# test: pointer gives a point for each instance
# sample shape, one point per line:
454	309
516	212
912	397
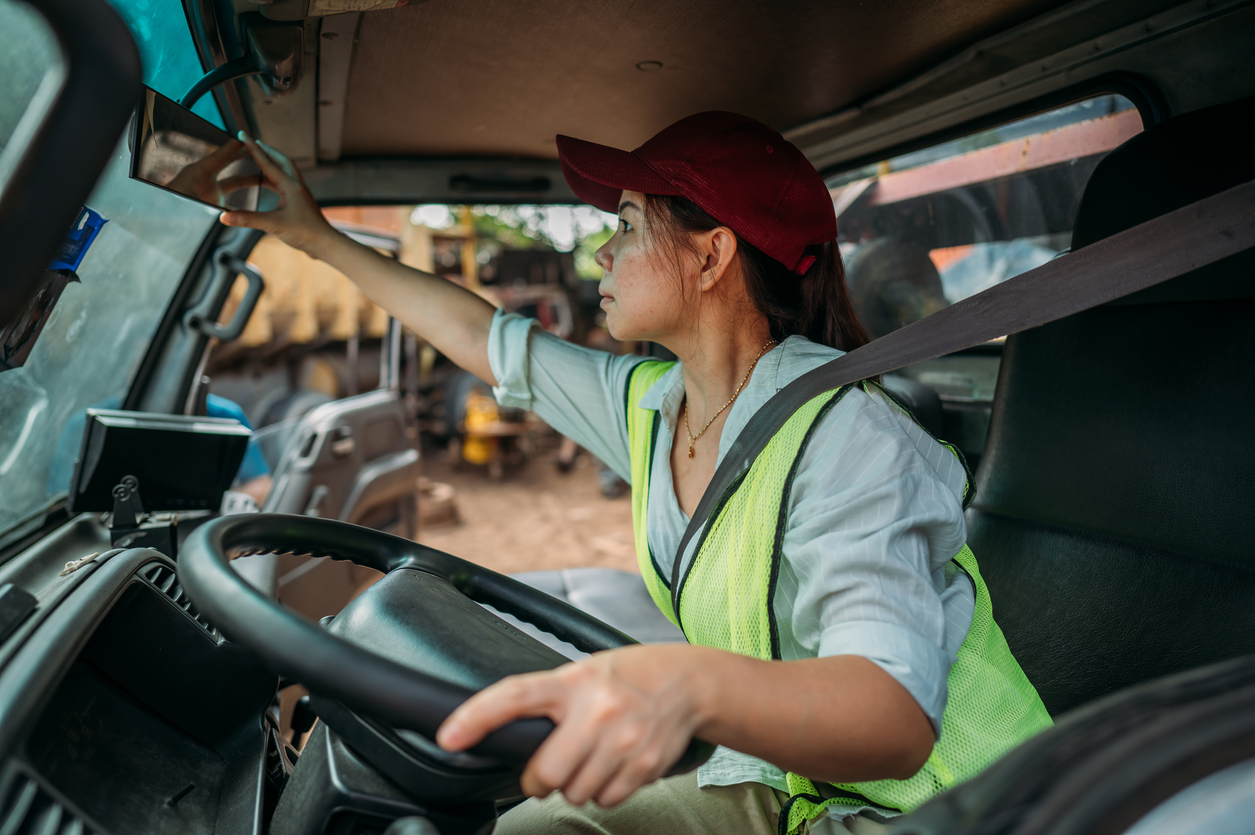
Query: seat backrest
351	460
1115	515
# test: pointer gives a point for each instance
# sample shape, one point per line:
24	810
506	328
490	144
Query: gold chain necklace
693	438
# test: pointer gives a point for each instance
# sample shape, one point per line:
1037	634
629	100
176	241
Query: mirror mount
231	70
274	52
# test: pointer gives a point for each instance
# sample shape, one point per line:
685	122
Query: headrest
1173	164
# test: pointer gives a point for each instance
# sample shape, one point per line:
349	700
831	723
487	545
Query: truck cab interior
140	678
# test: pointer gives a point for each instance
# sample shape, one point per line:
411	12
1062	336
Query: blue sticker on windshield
77	241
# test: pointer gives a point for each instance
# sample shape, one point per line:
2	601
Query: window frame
1145	96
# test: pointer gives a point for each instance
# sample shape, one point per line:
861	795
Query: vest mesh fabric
640	450
744	527
991	708
726	602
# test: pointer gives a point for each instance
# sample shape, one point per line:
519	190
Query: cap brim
598	174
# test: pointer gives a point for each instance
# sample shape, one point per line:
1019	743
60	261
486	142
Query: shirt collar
657	394
775	370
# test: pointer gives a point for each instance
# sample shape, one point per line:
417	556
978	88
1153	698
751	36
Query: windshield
166	50
94	339
95	334
33	71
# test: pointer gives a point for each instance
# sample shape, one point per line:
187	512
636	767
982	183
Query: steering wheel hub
402	656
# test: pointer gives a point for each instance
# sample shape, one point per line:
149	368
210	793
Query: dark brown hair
815	305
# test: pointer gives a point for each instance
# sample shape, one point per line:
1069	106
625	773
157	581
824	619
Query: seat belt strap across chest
1160	249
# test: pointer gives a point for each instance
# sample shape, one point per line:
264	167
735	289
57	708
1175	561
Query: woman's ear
717	248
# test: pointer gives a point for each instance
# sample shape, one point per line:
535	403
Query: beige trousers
673	805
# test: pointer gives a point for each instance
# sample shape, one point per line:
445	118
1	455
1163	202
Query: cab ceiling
501	77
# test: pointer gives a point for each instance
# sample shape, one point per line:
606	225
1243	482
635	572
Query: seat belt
1162	248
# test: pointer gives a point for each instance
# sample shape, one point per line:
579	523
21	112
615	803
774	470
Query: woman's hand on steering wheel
297	221
623	717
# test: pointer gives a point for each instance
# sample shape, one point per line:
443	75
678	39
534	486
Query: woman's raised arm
453	319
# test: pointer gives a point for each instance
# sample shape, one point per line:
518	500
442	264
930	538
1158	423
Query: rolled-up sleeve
507	356
578	391
870	530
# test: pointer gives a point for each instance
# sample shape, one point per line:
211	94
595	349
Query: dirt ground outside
535	518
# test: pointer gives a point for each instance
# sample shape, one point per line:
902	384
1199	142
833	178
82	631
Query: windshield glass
166	50
94	338
94	334
32	69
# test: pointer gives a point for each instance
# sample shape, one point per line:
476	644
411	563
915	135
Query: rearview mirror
174	149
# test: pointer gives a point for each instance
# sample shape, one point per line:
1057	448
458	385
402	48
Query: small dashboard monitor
181	463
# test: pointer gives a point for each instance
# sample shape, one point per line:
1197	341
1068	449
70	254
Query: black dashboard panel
131	714
176	664
92	733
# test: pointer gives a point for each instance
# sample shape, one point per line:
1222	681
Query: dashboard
123	710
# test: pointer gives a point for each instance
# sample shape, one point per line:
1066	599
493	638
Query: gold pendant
690	450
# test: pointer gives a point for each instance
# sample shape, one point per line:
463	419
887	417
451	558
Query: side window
33	72
930	228
927	229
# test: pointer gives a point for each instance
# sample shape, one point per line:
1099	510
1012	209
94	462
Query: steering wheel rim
358	678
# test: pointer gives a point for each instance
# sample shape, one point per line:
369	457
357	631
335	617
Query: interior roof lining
477	87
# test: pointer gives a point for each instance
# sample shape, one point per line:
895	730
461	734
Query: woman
842	553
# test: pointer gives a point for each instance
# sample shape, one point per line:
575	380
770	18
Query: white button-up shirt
874	517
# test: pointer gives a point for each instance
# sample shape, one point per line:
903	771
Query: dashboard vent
30	810
163	578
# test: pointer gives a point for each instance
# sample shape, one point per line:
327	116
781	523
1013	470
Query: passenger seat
618	598
1114	515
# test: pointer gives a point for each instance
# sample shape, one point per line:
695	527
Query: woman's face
641	299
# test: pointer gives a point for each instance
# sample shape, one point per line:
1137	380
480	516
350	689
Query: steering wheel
365	681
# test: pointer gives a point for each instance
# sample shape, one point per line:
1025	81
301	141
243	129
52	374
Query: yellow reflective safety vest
725	601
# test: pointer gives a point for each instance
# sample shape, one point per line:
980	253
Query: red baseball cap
741	172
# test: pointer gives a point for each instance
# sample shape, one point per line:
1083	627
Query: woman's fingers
632	749
617	788
518	697
297	221
583	763
277	166
265	221
555	762
284	163
622	718
511	698
649	762
273	170
604	749
571	759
